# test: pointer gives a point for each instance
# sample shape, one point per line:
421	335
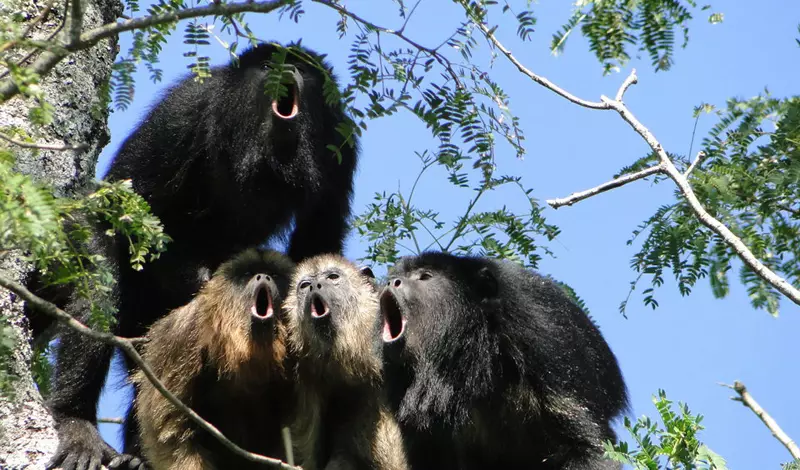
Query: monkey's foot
80	447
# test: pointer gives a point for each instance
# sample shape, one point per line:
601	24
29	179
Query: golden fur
339	376
212	332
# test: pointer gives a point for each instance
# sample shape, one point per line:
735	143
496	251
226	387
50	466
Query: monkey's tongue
288	106
262	309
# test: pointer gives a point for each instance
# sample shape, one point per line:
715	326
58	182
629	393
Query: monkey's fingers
126	461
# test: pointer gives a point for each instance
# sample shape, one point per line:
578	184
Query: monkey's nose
265	277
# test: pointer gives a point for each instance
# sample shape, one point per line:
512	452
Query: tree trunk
27	436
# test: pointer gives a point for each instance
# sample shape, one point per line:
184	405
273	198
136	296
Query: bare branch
669	167
697	161
631	80
50	58
615	183
30	145
127	345
747	400
537	78
702	214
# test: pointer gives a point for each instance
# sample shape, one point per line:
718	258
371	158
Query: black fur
495	367
222	172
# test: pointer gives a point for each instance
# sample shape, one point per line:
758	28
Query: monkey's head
296	122
331	311
440	345
240	309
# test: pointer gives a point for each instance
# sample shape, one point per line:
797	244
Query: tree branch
615	183
697	161
31	145
111	420
50	58
700	212
537	78
668	166
127	345
747	400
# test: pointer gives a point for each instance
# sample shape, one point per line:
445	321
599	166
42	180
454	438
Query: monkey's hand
80	447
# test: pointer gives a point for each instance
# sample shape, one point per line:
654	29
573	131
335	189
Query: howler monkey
224	355
489	365
342	420
225	167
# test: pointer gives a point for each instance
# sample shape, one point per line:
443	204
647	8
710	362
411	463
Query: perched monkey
224	167
342	421
223	355
489	365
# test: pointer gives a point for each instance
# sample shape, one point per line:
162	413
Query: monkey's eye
304	284
333	276
425	276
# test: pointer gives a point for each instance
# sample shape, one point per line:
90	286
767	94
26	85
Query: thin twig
54	147
631	80
433	52
747	400
697	161
615	183
127	345
537	78
75	20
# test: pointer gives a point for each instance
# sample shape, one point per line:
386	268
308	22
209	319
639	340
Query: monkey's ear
366	271
486	283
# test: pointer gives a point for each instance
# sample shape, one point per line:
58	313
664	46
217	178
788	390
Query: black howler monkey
342	421
489	365
224	167
224	355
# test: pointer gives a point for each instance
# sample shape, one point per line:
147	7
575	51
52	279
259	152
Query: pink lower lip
387	332
255	313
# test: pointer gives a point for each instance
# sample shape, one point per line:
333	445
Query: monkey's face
331	314
251	288
434	302
288	111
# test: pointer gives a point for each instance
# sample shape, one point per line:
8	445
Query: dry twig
747	400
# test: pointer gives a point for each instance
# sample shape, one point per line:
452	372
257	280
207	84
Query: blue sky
689	344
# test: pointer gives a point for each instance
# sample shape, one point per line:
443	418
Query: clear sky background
689	344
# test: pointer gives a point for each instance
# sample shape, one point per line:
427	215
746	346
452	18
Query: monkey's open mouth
319	308
394	323
288	106
262	309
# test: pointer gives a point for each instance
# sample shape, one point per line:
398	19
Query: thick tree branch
747	400
615	183
127	345
50	58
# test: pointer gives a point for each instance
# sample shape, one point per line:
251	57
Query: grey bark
27	436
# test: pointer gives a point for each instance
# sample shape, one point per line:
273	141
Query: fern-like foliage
54	234
672	443
615	28
750	181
